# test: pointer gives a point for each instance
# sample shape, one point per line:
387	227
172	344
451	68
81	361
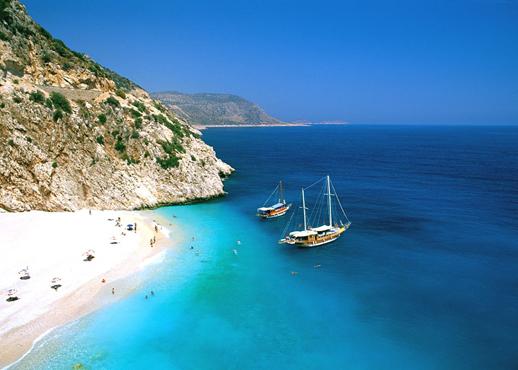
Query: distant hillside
209	109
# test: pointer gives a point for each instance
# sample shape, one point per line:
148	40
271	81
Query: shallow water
425	278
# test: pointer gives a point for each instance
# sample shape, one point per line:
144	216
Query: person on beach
156	228
146	296
113	291
103	280
152	293
135	227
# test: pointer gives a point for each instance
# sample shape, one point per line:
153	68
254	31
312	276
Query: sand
53	245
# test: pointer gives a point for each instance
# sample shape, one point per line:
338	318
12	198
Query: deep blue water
425	278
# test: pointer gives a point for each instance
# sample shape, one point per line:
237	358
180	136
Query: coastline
294	124
204	127
39	239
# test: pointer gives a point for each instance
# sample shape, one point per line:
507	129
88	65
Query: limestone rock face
74	134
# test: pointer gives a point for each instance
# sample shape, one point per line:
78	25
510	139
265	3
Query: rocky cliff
74	134
211	109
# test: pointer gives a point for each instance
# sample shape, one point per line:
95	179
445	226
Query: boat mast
281	195
329	201
304	210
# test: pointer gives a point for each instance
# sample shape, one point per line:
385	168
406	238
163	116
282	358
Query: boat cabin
268	211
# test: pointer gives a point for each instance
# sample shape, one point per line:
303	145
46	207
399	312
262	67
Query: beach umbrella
89	255
24	274
55	283
11	295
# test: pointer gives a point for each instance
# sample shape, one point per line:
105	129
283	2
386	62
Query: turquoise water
426	277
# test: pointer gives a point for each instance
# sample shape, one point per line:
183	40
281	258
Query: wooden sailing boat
278	209
323	234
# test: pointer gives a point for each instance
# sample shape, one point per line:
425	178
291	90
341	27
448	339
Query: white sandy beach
52	245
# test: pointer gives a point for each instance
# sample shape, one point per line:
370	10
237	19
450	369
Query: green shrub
135	113
17	99
78	54
29	140
135	134
3	36
172	147
160	118
120	93
146	154
102	118
138	123
112	101
140	106
159	106
120	146
4	15
46	57
193	158
60	48
100	140
168	162
60	102
22	30
94	68
2	105
48	103
16	82
84	112
37	97
58	114
176	128
115	133
11	142
54	164
44	32
66	66
129	159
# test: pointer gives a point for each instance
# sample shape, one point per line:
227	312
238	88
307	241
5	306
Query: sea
426	277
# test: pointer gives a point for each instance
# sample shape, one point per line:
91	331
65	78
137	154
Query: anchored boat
278	209
326	232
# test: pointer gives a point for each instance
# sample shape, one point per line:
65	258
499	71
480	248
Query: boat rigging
276	210
325	233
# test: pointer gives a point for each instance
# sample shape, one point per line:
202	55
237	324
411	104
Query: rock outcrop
74	134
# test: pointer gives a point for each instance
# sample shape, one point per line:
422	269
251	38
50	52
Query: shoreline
204	127
300	124
40	309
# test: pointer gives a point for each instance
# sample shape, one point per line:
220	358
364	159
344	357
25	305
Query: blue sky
423	62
